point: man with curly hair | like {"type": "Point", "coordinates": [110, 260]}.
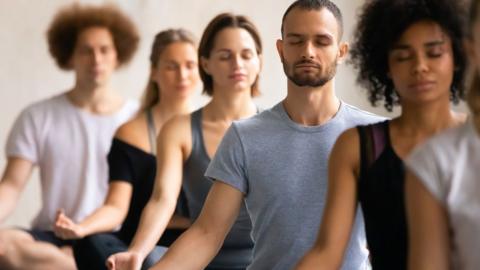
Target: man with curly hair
{"type": "Point", "coordinates": [67, 136]}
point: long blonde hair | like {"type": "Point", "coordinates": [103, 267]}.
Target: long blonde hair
{"type": "Point", "coordinates": [151, 95]}
{"type": "Point", "coordinates": [473, 96]}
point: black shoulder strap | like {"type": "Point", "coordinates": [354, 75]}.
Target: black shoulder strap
{"type": "Point", "coordinates": [373, 139]}
{"type": "Point", "coordinates": [152, 136]}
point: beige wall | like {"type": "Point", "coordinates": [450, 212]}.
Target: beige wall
{"type": "Point", "coordinates": [28, 73]}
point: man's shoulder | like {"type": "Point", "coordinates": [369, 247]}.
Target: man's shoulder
{"type": "Point", "coordinates": [131, 106]}
{"type": "Point", "coordinates": [51, 103]}
{"type": "Point", "coordinates": [259, 121]}
{"type": "Point", "coordinates": [357, 116]}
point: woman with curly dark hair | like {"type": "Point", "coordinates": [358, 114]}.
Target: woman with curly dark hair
{"type": "Point", "coordinates": [408, 52]}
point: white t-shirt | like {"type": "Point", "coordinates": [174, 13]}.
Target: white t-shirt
{"type": "Point", "coordinates": [448, 165]}
{"type": "Point", "coordinates": [69, 146]}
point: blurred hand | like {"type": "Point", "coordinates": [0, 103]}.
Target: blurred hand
{"type": "Point", "coordinates": [65, 228]}
{"type": "Point", "coordinates": [124, 261]}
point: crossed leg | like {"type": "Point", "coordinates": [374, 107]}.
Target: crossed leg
{"type": "Point", "coordinates": [19, 250]}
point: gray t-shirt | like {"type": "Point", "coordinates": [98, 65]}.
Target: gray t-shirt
{"type": "Point", "coordinates": [281, 167]}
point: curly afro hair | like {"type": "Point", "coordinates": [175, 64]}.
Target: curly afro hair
{"type": "Point", "coordinates": [380, 25]}
{"type": "Point", "coordinates": [71, 20]}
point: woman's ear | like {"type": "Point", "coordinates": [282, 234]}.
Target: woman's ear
{"type": "Point", "coordinates": [204, 63]}
{"type": "Point", "coordinates": [469, 48]}
{"type": "Point", "coordinates": [260, 59]}
{"type": "Point", "coordinates": [152, 72]}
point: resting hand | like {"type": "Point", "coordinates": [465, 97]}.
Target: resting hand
{"type": "Point", "coordinates": [65, 228]}
{"type": "Point", "coordinates": [124, 261]}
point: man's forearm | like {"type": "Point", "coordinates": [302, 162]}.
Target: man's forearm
{"type": "Point", "coordinates": [8, 199]}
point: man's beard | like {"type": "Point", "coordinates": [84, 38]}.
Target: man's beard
{"type": "Point", "coordinates": [317, 79]}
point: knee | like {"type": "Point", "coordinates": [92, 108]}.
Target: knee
{"type": "Point", "coordinates": [12, 243]}
{"type": "Point", "coordinates": [8, 254]}
{"type": "Point", "coordinates": [3, 245]}
{"type": "Point", "coordinates": [7, 242]}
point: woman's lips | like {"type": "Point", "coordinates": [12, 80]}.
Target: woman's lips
{"type": "Point", "coordinates": [238, 76]}
{"type": "Point", "coordinates": [422, 85]}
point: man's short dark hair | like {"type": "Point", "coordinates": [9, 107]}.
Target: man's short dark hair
{"type": "Point", "coordinates": [316, 5]}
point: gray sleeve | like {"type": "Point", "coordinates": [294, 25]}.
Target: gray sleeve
{"type": "Point", "coordinates": [228, 164]}
{"type": "Point", "coordinates": [22, 141]}
{"type": "Point", "coordinates": [426, 164]}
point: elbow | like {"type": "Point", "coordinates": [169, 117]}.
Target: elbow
{"type": "Point", "coordinates": [163, 202]}
{"type": "Point", "coordinates": [209, 233]}
{"type": "Point", "coordinates": [327, 256]}
{"type": "Point", "coordinates": [318, 259]}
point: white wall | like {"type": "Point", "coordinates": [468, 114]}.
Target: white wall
{"type": "Point", "coordinates": [28, 73]}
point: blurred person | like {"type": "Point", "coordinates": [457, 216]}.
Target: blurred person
{"type": "Point", "coordinates": [68, 136]}
{"type": "Point", "coordinates": [442, 187]}
{"type": "Point", "coordinates": [132, 163]}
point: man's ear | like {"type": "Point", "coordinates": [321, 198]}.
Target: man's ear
{"type": "Point", "coordinates": [343, 49]}
{"type": "Point", "coordinates": [280, 48]}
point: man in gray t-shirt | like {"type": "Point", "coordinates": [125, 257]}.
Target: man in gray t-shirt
{"type": "Point", "coordinates": [281, 168]}
{"type": "Point", "coordinates": [277, 161]}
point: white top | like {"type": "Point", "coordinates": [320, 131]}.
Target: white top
{"type": "Point", "coordinates": [448, 166]}
{"type": "Point", "coordinates": [70, 147]}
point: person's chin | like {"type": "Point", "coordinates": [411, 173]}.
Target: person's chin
{"type": "Point", "coordinates": [240, 86]}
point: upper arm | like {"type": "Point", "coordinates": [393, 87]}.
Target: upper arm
{"type": "Point", "coordinates": [220, 210]}
{"type": "Point", "coordinates": [229, 163]}
{"type": "Point", "coordinates": [341, 204]}
{"type": "Point", "coordinates": [427, 227]}
{"type": "Point", "coordinates": [171, 144]}
{"type": "Point", "coordinates": [16, 173]}
{"type": "Point", "coordinates": [119, 195]}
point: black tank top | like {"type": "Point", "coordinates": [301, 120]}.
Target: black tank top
{"type": "Point", "coordinates": [381, 196]}
{"type": "Point", "coordinates": [131, 164]}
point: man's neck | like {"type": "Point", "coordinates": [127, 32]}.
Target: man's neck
{"type": "Point", "coordinates": [97, 100]}
{"type": "Point", "coordinates": [311, 106]}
